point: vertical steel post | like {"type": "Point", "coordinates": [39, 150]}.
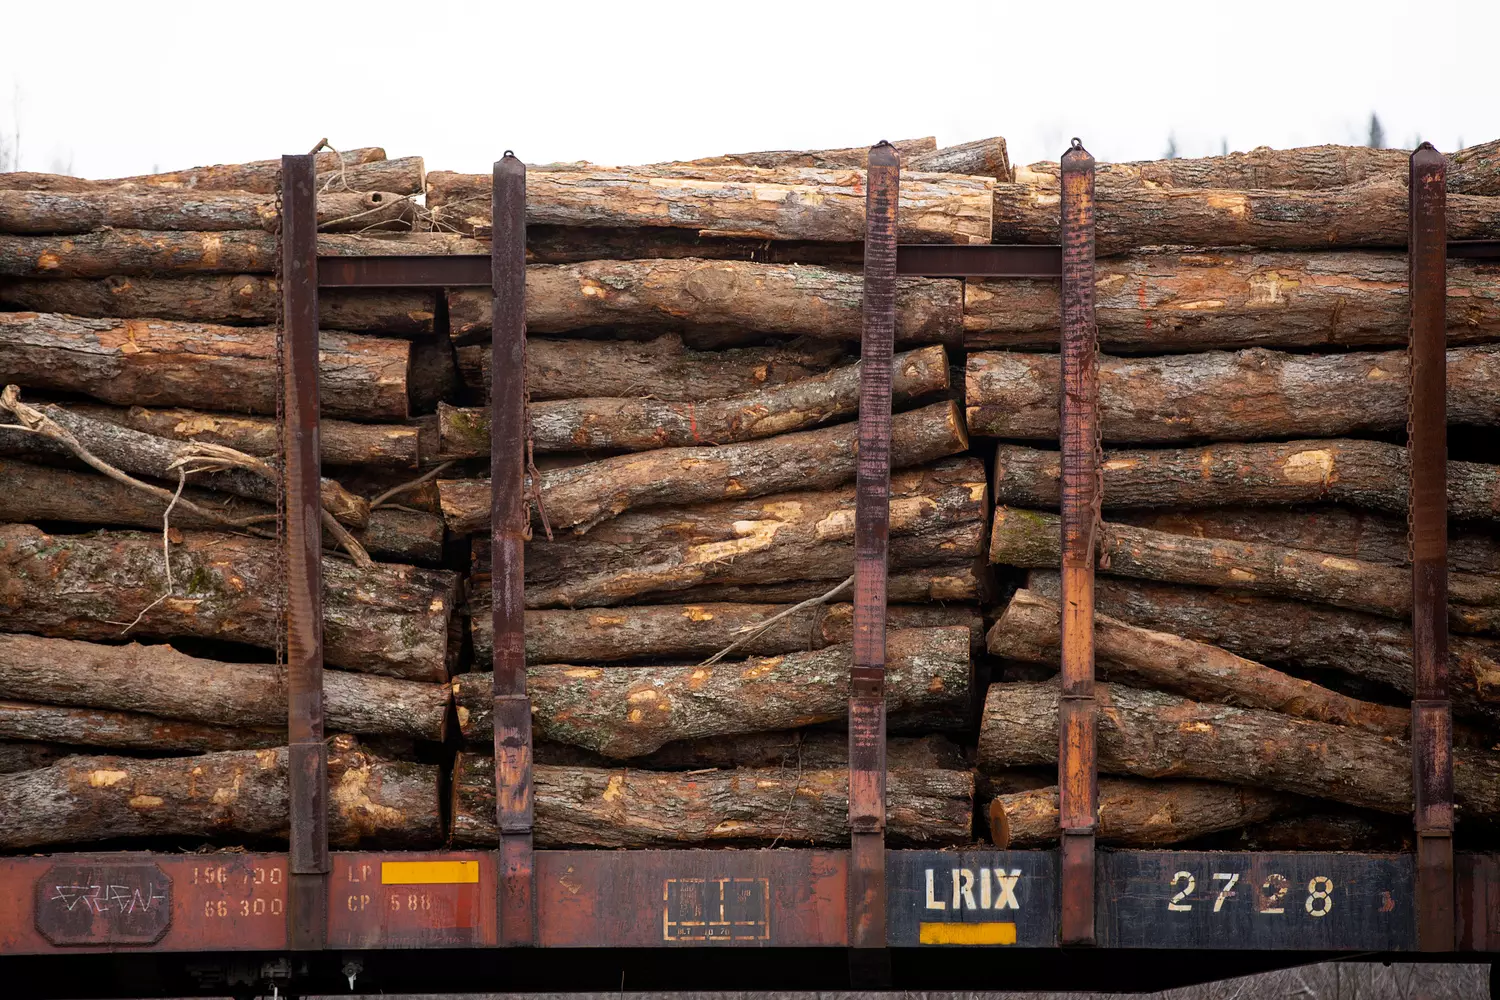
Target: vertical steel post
{"type": "Point", "coordinates": [301, 465]}
{"type": "Point", "coordinates": [872, 516]}
{"type": "Point", "coordinates": [1427, 444]}
{"type": "Point", "coordinates": [1077, 777]}
{"type": "Point", "coordinates": [508, 529]}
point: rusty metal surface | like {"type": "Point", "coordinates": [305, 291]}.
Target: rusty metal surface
{"type": "Point", "coordinates": [122, 903]}
{"type": "Point", "coordinates": [979, 260]}
{"type": "Point", "coordinates": [403, 899]}
{"type": "Point", "coordinates": [508, 529]}
{"type": "Point", "coordinates": [1077, 776]}
{"type": "Point", "coordinates": [1478, 902]}
{"type": "Point", "coordinates": [302, 537]}
{"type": "Point", "coordinates": [406, 271]}
{"type": "Point", "coordinates": [1427, 445]}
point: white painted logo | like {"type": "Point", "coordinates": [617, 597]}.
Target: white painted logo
{"type": "Point", "coordinates": [997, 889]}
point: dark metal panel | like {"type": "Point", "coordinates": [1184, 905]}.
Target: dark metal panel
{"type": "Point", "coordinates": [983, 260]}
{"type": "Point", "coordinates": [1478, 909]}
{"type": "Point", "coordinates": [302, 540]}
{"type": "Point", "coordinates": [125, 903]}
{"type": "Point", "coordinates": [405, 899]}
{"type": "Point", "coordinates": [972, 898]}
{"type": "Point", "coordinates": [405, 271]}
{"type": "Point", "coordinates": [723, 898]}
{"type": "Point", "coordinates": [1292, 901]}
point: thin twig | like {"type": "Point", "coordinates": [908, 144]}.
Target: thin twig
{"type": "Point", "coordinates": [166, 552]}
{"type": "Point", "coordinates": [755, 631]}
{"type": "Point", "coordinates": [796, 787]}
{"type": "Point", "coordinates": [380, 500]}
{"type": "Point", "coordinates": [351, 545]}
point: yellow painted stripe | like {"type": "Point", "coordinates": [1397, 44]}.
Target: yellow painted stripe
{"type": "Point", "coordinates": [428, 872]}
{"type": "Point", "coordinates": [988, 933]}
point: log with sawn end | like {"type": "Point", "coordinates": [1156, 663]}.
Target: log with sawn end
{"type": "Point", "coordinates": [984, 157]}
{"type": "Point", "coordinates": [94, 727]}
{"type": "Point", "coordinates": [77, 212]}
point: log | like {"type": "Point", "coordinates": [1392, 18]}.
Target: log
{"type": "Point", "coordinates": [622, 711]}
{"type": "Point", "coordinates": [1346, 830]}
{"type": "Point", "coordinates": [643, 424]}
{"type": "Point", "coordinates": [777, 203]}
{"type": "Point", "coordinates": [76, 212]}
{"type": "Point", "coordinates": [937, 519]}
{"type": "Point", "coordinates": [1165, 302]}
{"type": "Point", "coordinates": [810, 749]}
{"type": "Point", "coordinates": [1226, 396]}
{"type": "Point", "coordinates": [1135, 813]}
{"type": "Point", "coordinates": [409, 536]}
{"type": "Point", "coordinates": [197, 365]}
{"type": "Point", "coordinates": [969, 581]}
{"type": "Point", "coordinates": [160, 681]}
{"type": "Point", "coordinates": [236, 794]}
{"type": "Point", "coordinates": [390, 620]}
{"type": "Point", "coordinates": [1475, 169]}
{"type": "Point", "coordinates": [25, 720]}
{"type": "Point", "coordinates": [339, 171]}
{"type": "Point", "coordinates": [19, 756]}
{"type": "Point", "coordinates": [1031, 539]}
{"type": "Point", "coordinates": [661, 368]}
{"type": "Point", "coordinates": [597, 807]}
{"type": "Point", "coordinates": [341, 442]}
{"type": "Point", "coordinates": [1369, 214]}
{"type": "Point", "coordinates": [1293, 632]}
{"type": "Point", "coordinates": [985, 157]}
{"type": "Point", "coordinates": [1370, 475]}
{"type": "Point", "coordinates": [712, 295]}
{"type": "Point", "coordinates": [853, 156]}
{"type": "Point", "coordinates": [229, 299]}
{"type": "Point", "coordinates": [1149, 734]}
{"type": "Point", "coordinates": [1029, 630]}
{"type": "Point", "coordinates": [696, 631]}
{"type": "Point", "coordinates": [583, 496]}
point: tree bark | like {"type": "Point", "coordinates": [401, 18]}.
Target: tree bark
{"type": "Point", "coordinates": [390, 620]}
{"type": "Point", "coordinates": [1371, 475]}
{"type": "Point", "coordinates": [853, 156]}
{"type": "Point", "coordinates": [937, 519]}
{"type": "Point", "coordinates": [235, 794]}
{"type": "Point", "coordinates": [230, 299]}
{"type": "Point", "coordinates": [68, 213]}
{"type": "Point", "coordinates": [1293, 632]}
{"type": "Point", "coordinates": [1153, 735]}
{"type": "Point", "coordinates": [160, 681]}
{"type": "Point", "coordinates": [1165, 302]}
{"type": "Point", "coordinates": [364, 169]}
{"type": "Point", "coordinates": [584, 496]}
{"type": "Point", "coordinates": [18, 756]}
{"type": "Point", "coordinates": [1030, 539]}
{"type": "Point", "coordinates": [622, 711]}
{"type": "Point", "coordinates": [196, 365]}
{"type": "Point", "coordinates": [1224, 396]}
{"type": "Point", "coordinates": [643, 424]}
{"type": "Point", "coordinates": [780, 203]}
{"type": "Point", "coordinates": [25, 720]}
{"type": "Point", "coordinates": [1028, 630]}
{"type": "Point", "coordinates": [1135, 813]}
{"type": "Point", "coordinates": [1369, 214]}
{"type": "Point", "coordinates": [661, 368]}
{"type": "Point", "coordinates": [1475, 169]}
{"type": "Point", "coordinates": [409, 536]}
{"type": "Point", "coordinates": [713, 295]}
{"type": "Point", "coordinates": [968, 581]}
{"type": "Point", "coordinates": [695, 631]}
{"type": "Point", "coordinates": [810, 749]}
{"type": "Point", "coordinates": [985, 157]}
{"type": "Point", "coordinates": [596, 807]}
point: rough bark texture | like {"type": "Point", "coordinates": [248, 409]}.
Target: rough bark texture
{"type": "Point", "coordinates": [583, 496]}
{"type": "Point", "coordinates": [235, 794]}
{"type": "Point", "coordinates": [809, 749]}
{"type": "Point", "coordinates": [661, 368]}
{"type": "Point", "coordinates": [596, 807]}
{"type": "Point", "coordinates": [160, 681]}
{"type": "Point", "coordinates": [1031, 539]}
{"type": "Point", "coordinates": [1226, 396]}
{"type": "Point", "coordinates": [161, 363]}
{"type": "Point", "coordinates": [1369, 214]}
{"type": "Point", "coordinates": [398, 535]}
{"type": "Point", "coordinates": [985, 157]}
{"type": "Point", "coordinates": [231, 298]}
{"type": "Point", "coordinates": [1194, 301]}
{"type": "Point", "coordinates": [364, 169]}
{"type": "Point", "coordinates": [1475, 169]}
{"type": "Point", "coordinates": [1368, 474]}
{"type": "Point", "coordinates": [25, 720]}
{"type": "Point", "coordinates": [46, 212]}
{"type": "Point", "coordinates": [1028, 630]}
{"type": "Point", "coordinates": [1135, 813]}
{"type": "Point", "coordinates": [624, 711]}
{"type": "Point", "coordinates": [967, 581]}
{"type": "Point", "coordinates": [713, 295]}
{"type": "Point", "coordinates": [389, 620]}
{"type": "Point", "coordinates": [696, 631]}
{"type": "Point", "coordinates": [776, 203]}
{"type": "Point", "coordinates": [1154, 735]}
{"type": "Point", "coordinates": [1291, 632]}
{"type": "Point", "coordinates": [642, 424]}
{"type": "Point", "coordinates": [937, 518]}
{"type": "Point", "coordinates": [853, 156]}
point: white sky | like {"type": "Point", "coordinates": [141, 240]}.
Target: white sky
{"type": "Point", "coordinates": [116, 88]}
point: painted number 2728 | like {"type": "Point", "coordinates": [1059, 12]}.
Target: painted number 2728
{"type": "Point", "coordinates": [1270, 899]}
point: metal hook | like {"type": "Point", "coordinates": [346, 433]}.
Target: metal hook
{"type": "Point", "coordinates": [1077, 142]}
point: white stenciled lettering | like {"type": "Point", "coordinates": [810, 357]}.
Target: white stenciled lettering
{"type": "Point", "coordinates": [1177, 905]}
{"type": "Point", "coordinates": [963, 888]}
{"type": "Point", "coordinates": [933, 904]}
{"type": "Point", "coordinates": [984, 888]}
{"type": "Point", "coordinates": [1006, 881]}
{"type": "Point", "coordinates": [1227, 891]}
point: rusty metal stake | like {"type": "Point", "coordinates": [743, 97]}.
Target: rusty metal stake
{"type": "Point", "coordinates": [508, 523]}
{"type": "Point", "coordinates": [872, 516]}
{"type": "Point", "coordinates": [1077, 777]}
{"type": "Point", "coordinates": [1427, 444]}
{"type": "Point", "coordinates": [307, 912]}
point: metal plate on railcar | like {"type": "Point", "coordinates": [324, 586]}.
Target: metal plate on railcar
{"type": "Point", "coordinates": [1296, 901]}
{"type": "Point", "coordinates": [123, 903]}
{"type": "Point", "coordinates": [411, 900]}
{"type": "Point", "coordinates": [972, 898]}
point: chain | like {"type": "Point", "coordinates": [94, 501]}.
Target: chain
{"type": "Point", "coordinates": [281, 581]}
